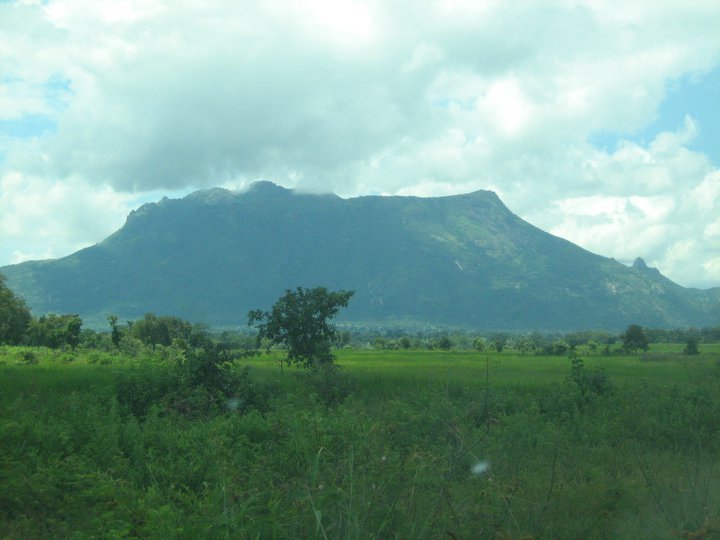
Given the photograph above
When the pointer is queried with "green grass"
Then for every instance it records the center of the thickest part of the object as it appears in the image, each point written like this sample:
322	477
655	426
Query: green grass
394	460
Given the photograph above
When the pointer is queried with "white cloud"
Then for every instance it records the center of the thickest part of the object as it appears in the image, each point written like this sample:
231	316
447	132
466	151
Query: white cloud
362	97
672	225
40	219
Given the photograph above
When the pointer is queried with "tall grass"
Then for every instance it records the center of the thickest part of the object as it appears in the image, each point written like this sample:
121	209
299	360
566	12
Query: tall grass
636	458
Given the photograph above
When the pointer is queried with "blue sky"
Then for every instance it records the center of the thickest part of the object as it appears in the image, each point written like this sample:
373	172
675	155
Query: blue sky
596	120
696	95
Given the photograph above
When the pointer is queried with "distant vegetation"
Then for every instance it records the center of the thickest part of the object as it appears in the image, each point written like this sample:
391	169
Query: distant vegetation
19	327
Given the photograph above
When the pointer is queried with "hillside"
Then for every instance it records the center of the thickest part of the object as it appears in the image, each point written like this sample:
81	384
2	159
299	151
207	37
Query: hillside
459	260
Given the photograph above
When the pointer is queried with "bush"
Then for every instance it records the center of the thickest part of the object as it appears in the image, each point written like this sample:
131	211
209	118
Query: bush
691	345
139	391
590	383
200	383
28	358
330	384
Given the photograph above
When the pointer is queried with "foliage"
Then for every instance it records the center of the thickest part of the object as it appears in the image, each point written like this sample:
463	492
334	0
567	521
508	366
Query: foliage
499	341
525	345
443	343
396	459
14	316
299	321
635	338
590	383
154	330
559	347
199	382
55	331
330	384
116	333
479	344
691	344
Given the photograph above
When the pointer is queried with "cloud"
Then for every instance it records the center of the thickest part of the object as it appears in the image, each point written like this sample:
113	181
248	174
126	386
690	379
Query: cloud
363	97
40	219
673	225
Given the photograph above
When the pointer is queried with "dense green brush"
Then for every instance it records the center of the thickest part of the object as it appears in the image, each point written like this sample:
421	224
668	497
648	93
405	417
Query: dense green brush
562	454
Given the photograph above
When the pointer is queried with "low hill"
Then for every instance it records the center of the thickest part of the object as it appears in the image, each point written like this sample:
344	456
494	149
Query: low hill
460	260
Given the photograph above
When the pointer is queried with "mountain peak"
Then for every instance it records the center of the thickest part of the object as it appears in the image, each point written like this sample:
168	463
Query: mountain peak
211	195
266	187
641	266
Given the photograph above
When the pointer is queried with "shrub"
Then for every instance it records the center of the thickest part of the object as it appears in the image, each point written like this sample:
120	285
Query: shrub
691	345
28	358
139	391
590	383
330	384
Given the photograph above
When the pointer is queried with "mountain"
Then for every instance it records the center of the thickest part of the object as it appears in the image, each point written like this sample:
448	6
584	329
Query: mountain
462	260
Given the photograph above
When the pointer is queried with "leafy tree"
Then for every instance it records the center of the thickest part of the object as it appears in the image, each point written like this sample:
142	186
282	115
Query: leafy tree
479	344
116	333
54	331
153	330
499	342
525	345
342	339
692	339
558	347
635	338
444	343
299	320
14	316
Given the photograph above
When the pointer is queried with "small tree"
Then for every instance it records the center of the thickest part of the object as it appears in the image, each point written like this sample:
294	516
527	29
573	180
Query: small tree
692	339
479	344
14	316
635	338
525	345
444	343
116	333
299	320
153	330
499	342
54	331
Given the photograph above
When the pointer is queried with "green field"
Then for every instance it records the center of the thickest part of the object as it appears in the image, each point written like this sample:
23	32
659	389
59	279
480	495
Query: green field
624	447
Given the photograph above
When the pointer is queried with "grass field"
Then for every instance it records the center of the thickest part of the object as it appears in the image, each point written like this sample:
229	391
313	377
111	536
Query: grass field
429	444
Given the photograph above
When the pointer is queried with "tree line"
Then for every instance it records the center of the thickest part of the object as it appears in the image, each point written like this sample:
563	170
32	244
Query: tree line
298	323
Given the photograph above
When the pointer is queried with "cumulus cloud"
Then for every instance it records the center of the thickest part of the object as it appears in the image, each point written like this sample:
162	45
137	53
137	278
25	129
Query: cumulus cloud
363	97
658	202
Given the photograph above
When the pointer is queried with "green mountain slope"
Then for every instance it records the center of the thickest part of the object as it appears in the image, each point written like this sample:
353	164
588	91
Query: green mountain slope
460	260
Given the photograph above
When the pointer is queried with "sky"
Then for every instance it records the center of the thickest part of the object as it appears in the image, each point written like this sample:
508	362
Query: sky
595	120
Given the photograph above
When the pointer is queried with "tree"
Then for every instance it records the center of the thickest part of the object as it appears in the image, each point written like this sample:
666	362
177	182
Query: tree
14	316
299	320
444	343
634	338
692	339
525	345
54	331
499	341
153	330
116	334
479	344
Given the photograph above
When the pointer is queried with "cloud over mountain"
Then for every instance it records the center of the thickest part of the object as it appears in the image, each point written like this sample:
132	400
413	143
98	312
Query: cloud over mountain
363	97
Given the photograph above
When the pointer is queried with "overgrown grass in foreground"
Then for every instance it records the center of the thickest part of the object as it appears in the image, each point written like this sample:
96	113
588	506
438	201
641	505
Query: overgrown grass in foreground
631	452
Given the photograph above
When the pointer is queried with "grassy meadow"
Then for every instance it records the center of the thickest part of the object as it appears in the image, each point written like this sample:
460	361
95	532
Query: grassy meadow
428	444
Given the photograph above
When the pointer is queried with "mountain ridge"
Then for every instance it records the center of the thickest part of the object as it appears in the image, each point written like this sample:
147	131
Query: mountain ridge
463	260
